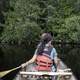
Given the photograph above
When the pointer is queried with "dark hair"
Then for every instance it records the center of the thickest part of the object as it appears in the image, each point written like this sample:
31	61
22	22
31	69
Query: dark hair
49	32
45	38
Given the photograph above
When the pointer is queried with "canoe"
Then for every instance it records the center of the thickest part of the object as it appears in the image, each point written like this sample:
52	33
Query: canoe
30	73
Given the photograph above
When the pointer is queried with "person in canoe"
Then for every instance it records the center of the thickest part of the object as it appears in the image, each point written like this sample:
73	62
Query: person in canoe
45	55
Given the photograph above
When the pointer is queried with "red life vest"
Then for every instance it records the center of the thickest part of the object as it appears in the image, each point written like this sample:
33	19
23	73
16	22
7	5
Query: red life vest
44	63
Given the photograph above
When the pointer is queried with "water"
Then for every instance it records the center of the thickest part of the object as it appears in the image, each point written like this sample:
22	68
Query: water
70	56
12	56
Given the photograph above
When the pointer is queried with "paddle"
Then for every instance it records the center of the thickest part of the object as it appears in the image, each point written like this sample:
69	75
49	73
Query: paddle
5	75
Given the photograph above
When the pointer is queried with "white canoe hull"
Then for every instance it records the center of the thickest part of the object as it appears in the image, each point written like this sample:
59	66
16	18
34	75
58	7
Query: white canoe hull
62	72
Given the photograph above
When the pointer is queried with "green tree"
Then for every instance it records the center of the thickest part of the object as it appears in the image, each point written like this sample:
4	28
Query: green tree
21	22
72	26
25	20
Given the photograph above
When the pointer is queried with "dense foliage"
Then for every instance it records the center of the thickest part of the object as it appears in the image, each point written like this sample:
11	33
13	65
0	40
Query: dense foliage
25	20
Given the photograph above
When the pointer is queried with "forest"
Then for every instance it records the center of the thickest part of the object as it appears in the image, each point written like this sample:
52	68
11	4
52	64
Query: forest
22	21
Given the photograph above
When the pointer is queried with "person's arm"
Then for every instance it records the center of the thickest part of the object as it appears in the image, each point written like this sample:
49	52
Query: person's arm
57	62
30	61
55	58
33	58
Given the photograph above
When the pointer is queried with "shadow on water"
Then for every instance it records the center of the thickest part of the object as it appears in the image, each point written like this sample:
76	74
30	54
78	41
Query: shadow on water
12	56
73	61
70	55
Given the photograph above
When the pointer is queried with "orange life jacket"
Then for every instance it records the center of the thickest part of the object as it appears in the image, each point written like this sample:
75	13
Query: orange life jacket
44	63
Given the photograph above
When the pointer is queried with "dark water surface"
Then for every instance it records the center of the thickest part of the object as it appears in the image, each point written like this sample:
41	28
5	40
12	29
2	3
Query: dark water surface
12	56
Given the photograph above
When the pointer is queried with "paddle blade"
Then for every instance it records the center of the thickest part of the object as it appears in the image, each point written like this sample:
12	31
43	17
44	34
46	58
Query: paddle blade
5	75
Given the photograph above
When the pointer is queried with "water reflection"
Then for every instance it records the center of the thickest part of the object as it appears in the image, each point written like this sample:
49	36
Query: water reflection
12	56
71	57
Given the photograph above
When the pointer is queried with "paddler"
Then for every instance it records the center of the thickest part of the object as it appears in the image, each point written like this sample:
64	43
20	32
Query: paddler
45	55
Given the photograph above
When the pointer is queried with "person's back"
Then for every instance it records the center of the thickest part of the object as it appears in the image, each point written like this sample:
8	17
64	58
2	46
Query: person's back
43	60
45	49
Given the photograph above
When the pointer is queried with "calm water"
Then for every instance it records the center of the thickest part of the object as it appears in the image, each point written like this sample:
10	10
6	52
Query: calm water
12	56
